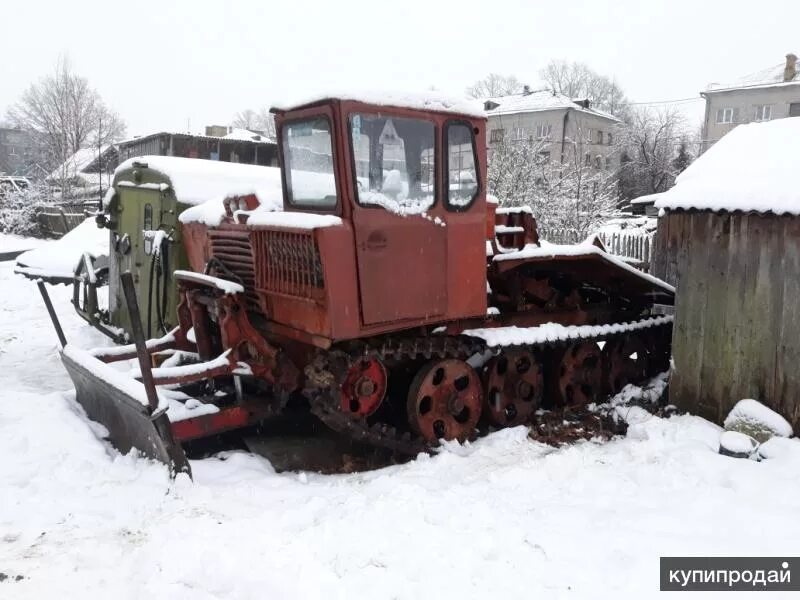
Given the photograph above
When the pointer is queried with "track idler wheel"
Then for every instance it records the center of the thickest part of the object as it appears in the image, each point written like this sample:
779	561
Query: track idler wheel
579	375
625	361
444	400
364	387
514	387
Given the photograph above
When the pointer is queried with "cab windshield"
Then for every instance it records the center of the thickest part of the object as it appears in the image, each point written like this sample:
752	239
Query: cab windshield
308	162
394	162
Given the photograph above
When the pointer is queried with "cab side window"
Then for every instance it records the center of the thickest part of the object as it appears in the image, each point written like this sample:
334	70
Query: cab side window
462	174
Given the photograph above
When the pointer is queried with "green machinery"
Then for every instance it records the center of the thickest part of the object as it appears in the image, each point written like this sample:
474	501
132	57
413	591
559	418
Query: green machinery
141	212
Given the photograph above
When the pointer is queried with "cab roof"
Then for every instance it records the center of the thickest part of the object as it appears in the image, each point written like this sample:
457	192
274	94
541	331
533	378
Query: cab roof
429	101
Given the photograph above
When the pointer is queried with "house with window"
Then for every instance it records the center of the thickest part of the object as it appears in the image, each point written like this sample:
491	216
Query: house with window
17	152
772	93
565	129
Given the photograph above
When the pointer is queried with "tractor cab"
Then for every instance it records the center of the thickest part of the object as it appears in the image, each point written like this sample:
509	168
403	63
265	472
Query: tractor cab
407	178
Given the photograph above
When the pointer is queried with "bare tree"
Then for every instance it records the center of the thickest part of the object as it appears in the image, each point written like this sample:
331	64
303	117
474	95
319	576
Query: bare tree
261	121
649	145
65	114
569	199
577	80
494	85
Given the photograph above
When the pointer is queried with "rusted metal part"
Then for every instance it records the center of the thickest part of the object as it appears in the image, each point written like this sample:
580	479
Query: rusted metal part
227	419
364	387
328	369
178	463
445	400
625	360
514	385
114	354
578	376
142	355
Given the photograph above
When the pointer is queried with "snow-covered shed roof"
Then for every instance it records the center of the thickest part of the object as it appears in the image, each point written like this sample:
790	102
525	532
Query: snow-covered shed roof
536	101
195	181
769	77
754	168
433	101
647	198
78	164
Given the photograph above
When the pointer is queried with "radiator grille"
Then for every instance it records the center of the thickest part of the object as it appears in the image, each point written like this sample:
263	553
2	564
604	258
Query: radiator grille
233	249
288	263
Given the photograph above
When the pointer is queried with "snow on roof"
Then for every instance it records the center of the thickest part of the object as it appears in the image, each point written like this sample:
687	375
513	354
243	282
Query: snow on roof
195	181
430	100
538	101
752	168
245	135
768	77
647	199
75	164
239	135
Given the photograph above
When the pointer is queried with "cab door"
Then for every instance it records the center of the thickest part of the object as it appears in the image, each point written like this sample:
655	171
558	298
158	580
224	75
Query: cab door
401	249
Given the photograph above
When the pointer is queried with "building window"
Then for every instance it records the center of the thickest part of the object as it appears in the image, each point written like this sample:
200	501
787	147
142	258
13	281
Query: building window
599	137
543	130
587	160
589	135
518	133
598	162
794	109
497	135
609	139
725	115
763	112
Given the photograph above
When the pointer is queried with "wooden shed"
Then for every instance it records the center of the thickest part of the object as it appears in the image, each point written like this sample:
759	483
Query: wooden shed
729	240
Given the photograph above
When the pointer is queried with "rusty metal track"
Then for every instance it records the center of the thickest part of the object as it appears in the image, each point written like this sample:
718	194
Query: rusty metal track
327	371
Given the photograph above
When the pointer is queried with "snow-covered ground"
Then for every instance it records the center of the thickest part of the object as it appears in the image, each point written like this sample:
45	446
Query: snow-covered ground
10	243
502	518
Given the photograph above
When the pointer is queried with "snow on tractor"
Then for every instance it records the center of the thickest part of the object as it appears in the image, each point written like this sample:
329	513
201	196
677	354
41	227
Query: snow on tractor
388	298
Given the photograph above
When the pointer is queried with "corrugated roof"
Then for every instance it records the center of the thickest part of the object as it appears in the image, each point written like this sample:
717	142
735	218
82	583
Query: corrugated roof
752	169
239	137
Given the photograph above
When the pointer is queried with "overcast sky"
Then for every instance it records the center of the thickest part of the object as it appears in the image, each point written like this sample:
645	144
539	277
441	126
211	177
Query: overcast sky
164	64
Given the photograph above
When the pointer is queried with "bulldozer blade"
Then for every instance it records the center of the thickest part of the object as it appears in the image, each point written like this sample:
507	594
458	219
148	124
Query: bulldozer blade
119	404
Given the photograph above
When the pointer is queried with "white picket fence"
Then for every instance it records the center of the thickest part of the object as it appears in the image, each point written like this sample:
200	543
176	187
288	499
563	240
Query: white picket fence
634	248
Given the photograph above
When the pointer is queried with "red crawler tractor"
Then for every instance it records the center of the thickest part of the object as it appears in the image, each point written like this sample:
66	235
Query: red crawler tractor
388	298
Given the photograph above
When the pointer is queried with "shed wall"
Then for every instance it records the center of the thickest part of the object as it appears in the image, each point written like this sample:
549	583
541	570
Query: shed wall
737	312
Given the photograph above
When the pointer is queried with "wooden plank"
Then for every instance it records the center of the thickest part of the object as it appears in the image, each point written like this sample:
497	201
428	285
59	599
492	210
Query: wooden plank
754	302
690	305
716	356
740	282
787	374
